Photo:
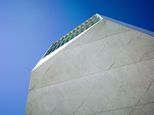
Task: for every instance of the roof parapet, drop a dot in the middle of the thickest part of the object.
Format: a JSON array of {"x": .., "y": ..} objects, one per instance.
[{"x": 75, "y": 32}]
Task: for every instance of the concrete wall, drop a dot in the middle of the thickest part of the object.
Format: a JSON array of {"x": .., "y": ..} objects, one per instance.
[{"x": 108, "y": 70}]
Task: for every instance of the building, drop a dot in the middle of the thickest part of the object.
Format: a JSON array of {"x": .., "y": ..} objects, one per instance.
[{"x": 102, "y": 67}]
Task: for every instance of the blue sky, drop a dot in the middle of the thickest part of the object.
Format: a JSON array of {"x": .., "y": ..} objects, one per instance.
[{"x": 29, "y": 27}]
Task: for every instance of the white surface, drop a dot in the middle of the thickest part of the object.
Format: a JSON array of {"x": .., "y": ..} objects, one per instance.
[{"x": 108, "y": 70}]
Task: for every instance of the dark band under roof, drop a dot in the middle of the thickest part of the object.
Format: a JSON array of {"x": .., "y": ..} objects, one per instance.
[{"x": 64, "y": 39}]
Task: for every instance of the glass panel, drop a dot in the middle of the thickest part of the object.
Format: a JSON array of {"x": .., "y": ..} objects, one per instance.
[{"x": 94, "y": 19}]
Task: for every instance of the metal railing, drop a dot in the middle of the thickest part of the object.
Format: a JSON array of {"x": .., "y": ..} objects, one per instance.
[{"x": 64, "y": 39}]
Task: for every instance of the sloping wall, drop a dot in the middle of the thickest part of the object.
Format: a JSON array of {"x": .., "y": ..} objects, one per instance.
[{"x": 107, "y": 70}]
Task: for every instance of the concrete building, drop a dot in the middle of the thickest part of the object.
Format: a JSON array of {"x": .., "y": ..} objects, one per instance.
[{"x": 101, "y": 67}]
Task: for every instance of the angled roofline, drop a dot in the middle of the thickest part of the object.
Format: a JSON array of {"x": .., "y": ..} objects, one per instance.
[
  {"x": 101, "y": 17},
  {"x": 73, "y": 33},
  {"x": 84, "y": 26},
  {"x": 47, "y": 57}
]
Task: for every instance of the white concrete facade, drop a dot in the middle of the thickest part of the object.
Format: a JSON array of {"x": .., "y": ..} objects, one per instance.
[{"x": 107, "y": 70}]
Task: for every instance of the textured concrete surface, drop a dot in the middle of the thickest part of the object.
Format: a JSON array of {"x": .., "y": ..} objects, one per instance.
[{"x": 108, "y": 70}]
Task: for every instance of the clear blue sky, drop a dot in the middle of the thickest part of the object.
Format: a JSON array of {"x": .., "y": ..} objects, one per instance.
[{"x": 29, "y": 27}]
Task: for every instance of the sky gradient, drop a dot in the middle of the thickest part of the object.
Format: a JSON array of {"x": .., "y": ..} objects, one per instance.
[{"x": 29, "y": 27}]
